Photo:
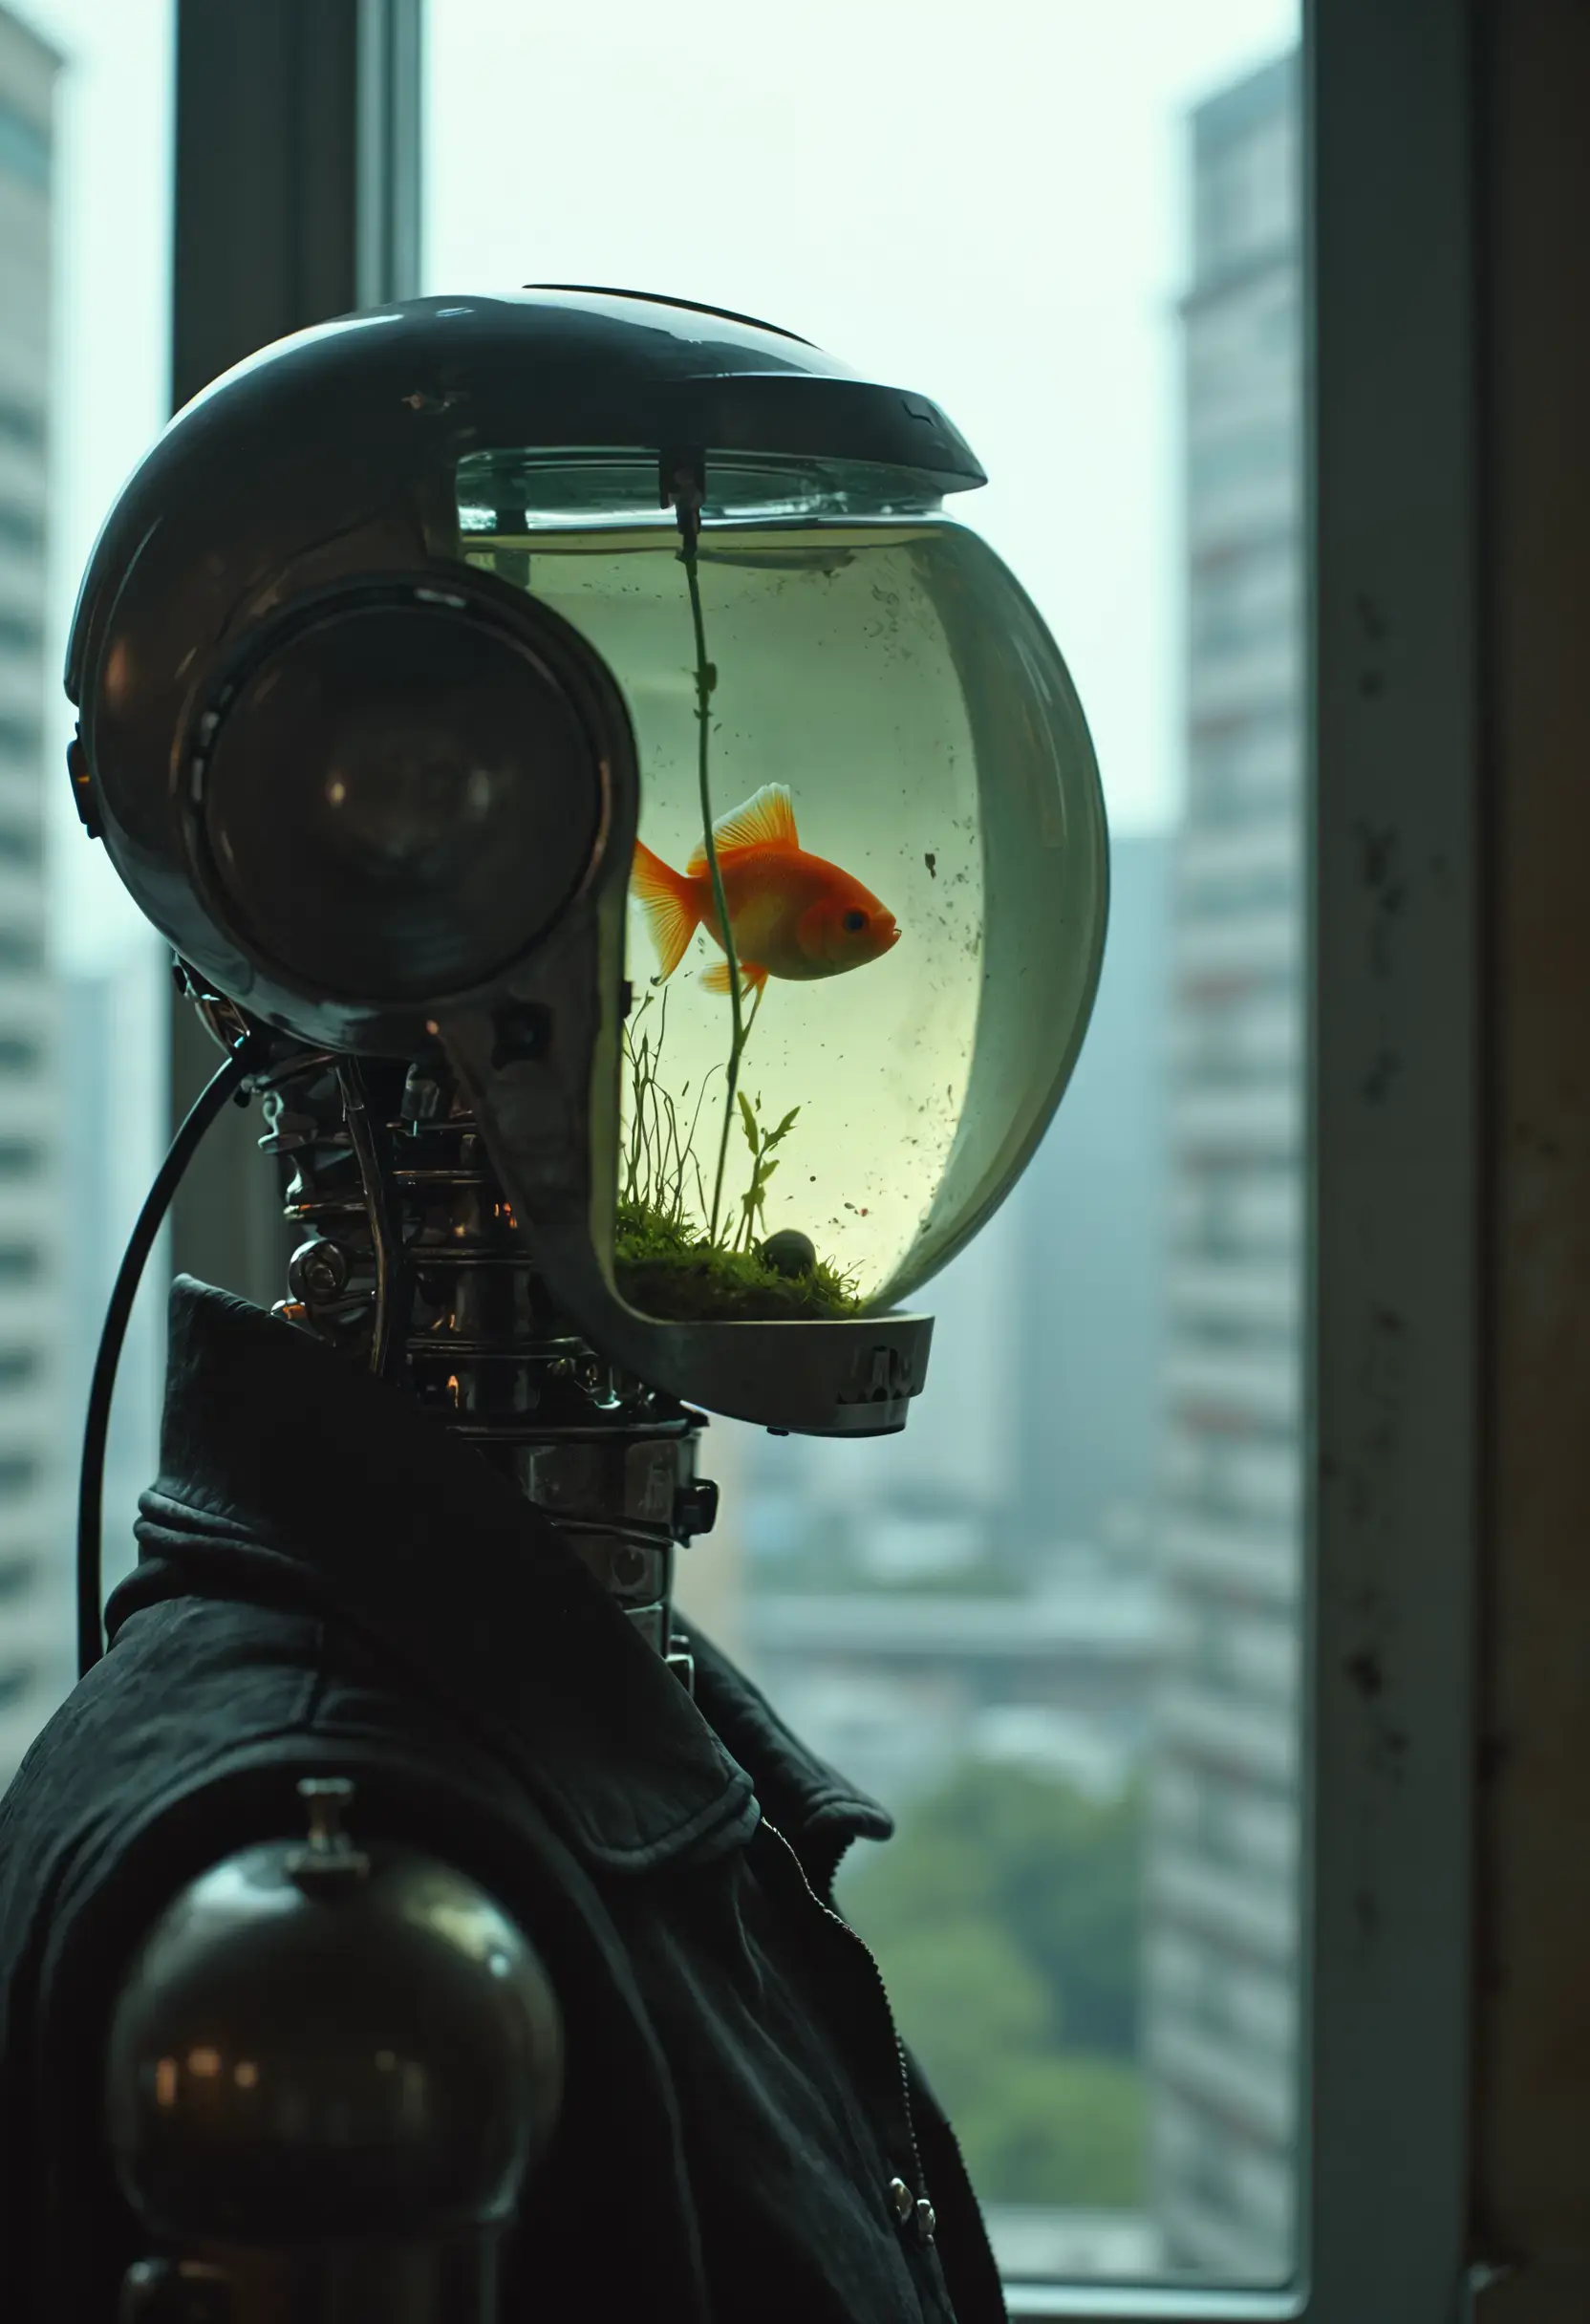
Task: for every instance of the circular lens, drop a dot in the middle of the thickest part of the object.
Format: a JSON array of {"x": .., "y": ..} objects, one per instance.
[{"x": 399, "y": 800}]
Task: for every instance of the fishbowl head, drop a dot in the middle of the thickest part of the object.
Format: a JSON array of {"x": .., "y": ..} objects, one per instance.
[{"x": 593, "y": 685}]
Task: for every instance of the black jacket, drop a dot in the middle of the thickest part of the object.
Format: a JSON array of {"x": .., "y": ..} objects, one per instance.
[{"x": 330, "y": 1583}]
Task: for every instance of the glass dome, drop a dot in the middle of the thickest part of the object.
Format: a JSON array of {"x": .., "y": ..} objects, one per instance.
[{"x": 908, "y": 866}]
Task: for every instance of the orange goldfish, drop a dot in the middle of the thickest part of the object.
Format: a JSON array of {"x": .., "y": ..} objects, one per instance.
[{"x": 790, "y": 913}]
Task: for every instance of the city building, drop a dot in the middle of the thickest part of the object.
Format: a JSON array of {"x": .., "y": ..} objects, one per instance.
[
  {"x": 1036, "y": 1428},
  {"x": 112, "y": 1045},
  {"x": 982, "y": 1585},
  {"x": 1222, "y": 1962},
  {"x": 36, "y": 1573},
  {"x": 1090, "y": 1213},
  {"x": 898, "y": 1686}
]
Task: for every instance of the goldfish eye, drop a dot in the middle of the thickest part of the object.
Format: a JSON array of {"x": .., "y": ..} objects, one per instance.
[{"x": 855, "y": 922}]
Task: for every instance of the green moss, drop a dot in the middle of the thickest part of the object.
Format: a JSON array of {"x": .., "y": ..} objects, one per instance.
[{"x": 665, "y": 1269}]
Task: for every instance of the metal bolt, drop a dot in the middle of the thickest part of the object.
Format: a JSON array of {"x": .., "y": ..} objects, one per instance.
[{"x": 317, "y": 1270}]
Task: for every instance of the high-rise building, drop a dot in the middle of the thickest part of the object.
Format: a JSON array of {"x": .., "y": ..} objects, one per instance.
[
  {"x": 1036, "y": 1428},
  {"x": 36, "y": 1628},
  {"x": 1088, "y": 1220},
  {"x": 980, "y": 1585},
  {"x": 1221, "y": 1969},
  {"x": 112, "y": 1043}
]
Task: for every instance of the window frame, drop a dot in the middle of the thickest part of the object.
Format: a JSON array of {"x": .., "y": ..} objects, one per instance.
[{"x": 1392, "y": 1362}]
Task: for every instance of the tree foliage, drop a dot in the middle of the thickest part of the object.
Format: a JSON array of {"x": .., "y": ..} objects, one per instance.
[{"x": 1005, "y": 1916}]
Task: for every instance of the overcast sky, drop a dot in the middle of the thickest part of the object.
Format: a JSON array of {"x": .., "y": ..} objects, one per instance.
[{"x": 984, "y": 202}]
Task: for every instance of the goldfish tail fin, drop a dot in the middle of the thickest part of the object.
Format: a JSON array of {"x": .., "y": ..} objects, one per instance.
[
  {"x": 668, "y": 903},
  {"x": 764, "y": 820},
  {"x": 752, "y": 976}
]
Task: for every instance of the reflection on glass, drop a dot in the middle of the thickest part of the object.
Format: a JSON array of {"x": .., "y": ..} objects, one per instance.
[
  {"x": 907, "y": 829},
  {"x": 1221, "y": 1960},
  {"x": 84, "y": 227},
  {"x": 1055, "y": 1625},
  {"x": 33, "y": 1664}
]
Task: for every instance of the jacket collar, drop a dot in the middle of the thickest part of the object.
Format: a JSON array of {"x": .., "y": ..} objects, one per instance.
[
  {"x": 816, "y": 1808},
  {"x": 284, "y": 1470}
]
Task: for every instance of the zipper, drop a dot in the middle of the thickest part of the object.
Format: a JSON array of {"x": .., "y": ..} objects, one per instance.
[{"x": 865, "y": 1951}]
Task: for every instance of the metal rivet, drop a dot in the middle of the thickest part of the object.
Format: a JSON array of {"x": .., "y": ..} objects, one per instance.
[
  {"x": 901, "y": 2197},
  {"x": 317, "y": 1270},
  {"x": 927, "y": 2221},
  {"x": 628, "y": 1567}
]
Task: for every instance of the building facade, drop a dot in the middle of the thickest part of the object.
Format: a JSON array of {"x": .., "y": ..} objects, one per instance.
[
  {"x": 1036, "y": 1430},
  {"x": 35, "y": 1620},
  {"x": 982, "y": 1585},
  {"x": 112, "y": 1024},
  {"x": 1089, "y": 1320},
  {"x": 899, "y": 1687},
  {"x": 1222, "y": 1965}
]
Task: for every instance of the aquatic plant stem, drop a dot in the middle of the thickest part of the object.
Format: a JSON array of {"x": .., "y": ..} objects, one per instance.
[{"x": 690, "y": 531}]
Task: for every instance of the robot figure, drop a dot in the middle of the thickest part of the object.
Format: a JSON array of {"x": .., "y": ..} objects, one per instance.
[{"x": 403, "y": 1918}]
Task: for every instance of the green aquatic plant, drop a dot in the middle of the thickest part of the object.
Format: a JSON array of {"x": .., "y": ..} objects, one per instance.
[
  {"x": 659, "y": 1155},
  {"x": 669, "y": 1268},
  {"x": 688, "y": 504},
  {"x": 664, "y": 1262},
  {"x": 762, "y": 1142}
]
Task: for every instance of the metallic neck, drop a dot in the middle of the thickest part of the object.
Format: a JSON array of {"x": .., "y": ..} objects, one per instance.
[{"x": 412, "y": 1265}]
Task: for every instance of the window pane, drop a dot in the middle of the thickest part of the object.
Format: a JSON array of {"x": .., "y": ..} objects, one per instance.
[
  {"x": 1055, "y": 1625},
  {"x": 84, "y": 223}
]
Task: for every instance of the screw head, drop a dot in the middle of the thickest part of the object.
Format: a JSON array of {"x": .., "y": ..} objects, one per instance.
[
  {"x": 317, "y": 1270},
  {"x": 629, "y": 1566}
]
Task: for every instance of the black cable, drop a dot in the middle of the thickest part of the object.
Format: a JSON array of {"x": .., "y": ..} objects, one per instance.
[
  {"x": 90, "y": 1489},
  {"x": 390, "y": 1308}
]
